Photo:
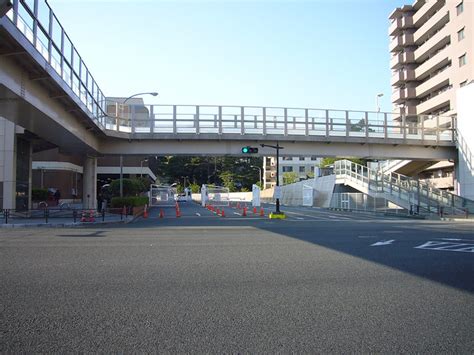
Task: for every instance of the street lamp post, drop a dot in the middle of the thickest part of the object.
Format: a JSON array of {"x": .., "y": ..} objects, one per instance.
[
  {"x": 121, "y": 157},
  {"x": 259, "y": 174},
  {"x": 141, "y": 93},
  {"x": 141, "y": 166},
  {"x": 377, "y": 101},
  {"x": 277, "y": 213}
]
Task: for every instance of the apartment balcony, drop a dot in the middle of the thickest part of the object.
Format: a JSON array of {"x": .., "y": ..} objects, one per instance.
[
  {"x": 439, "y": 60},
  {"x": 396, "y": 44},
  {"x": 436, "y": 82},
  {"x": 435, "y": 102},
  {"x": 438, "y": 41},
  {"x": 428, "y": 8},
  {"x": 395, "y": 26},
  {"x": 400, "y": 112},
  {"x": 401, "y": 76},
  {"x": 402, "y": 58},
  {"x": 403, "y": 94},
  {"x": 436, "y": 22},
  {"x": 440, "y": 183}
]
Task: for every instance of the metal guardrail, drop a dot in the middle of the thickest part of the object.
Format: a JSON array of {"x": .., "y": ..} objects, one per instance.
[
  {"x": 37, "y": 22},
  {"x": 418, "y": 195},
  {"x": 9, "y": 216},
  {"x": 285, "y": 121}
]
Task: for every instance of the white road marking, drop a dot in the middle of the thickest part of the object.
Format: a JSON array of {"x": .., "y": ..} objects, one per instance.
[
  {"x": 300, "y": 218},
  {"x": 198, "y": 214},
  {"x": 447, "y": 246},
  {"x": 383, "y": 242},
  {"x": 238, "y": 214},
  {"x": 392, "y": 232},
  {"x": 457, "y": 239}
]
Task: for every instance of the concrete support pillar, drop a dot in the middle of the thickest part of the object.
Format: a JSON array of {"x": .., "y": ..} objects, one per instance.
[
  {"x": 7, "y": 164},
  {"x": 89, "y": 190}
]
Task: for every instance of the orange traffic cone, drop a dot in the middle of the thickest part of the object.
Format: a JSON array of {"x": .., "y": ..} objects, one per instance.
[
  {"x": 145, "y": 212},
  {"x": 222, "y": 213},
  {"x": 255, "y": 210},
  {"x": 218, "y": 212},
  {"x": 262, "y": 212},
  {"x": 178, "y": 213},
  {"x": 83, "y": 217},
  {"x": 161, "y": 213},
  {"x": 244, "y": 213},
  {"x": 238, "y": 205}
]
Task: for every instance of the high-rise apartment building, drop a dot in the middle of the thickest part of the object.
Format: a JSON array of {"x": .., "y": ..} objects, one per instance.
[{"x": 432, "y": 47}]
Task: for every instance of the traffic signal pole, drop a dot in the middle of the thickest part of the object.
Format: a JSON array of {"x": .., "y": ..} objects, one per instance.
[{"x": 277, "y": 214}]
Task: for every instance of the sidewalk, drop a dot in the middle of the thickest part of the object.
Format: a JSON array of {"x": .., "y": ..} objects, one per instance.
[{"x": 26, "y": 222}]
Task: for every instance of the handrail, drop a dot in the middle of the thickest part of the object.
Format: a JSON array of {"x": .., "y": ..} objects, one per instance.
[
  {"x": 220, "y": 119},
  {"x": 37, "y": 22},
  {"x": 408, "y": 189}
]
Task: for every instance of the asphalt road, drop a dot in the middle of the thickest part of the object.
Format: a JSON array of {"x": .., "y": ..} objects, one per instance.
[{"x": 321, "y": 281}]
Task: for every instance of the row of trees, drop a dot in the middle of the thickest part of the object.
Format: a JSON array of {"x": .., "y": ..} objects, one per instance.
[{"x": 235, "y": 173}]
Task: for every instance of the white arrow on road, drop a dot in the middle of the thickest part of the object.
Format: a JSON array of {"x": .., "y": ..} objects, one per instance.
[{"x": 386, "y": 242}]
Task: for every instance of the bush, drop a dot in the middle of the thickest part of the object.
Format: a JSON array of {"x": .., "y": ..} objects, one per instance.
[
  {"x": 132, "y": 201},
  {"x": 131, "y": 187},
  {"x": 39, "y": 194}
]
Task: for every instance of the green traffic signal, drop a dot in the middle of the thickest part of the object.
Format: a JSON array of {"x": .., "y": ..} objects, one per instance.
[{"x": 249, "y": 150}]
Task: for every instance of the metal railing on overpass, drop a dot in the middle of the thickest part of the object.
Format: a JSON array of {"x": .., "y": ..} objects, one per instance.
[
  {"x": 404, "y": 191},
  {"x": 37, "y": 22},
  {"x": 39, "y": 25},
  {"x": 173, "y": 120}
]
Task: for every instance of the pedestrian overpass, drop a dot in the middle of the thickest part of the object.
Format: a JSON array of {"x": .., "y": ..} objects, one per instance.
[{"x": 47, "y": 89}]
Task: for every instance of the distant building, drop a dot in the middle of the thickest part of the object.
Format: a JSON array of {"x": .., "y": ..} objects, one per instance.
[{"x": 304, "y": 167}]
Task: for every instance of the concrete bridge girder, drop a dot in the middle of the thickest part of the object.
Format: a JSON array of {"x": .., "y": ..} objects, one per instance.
[{"x": 291, "y": 148}]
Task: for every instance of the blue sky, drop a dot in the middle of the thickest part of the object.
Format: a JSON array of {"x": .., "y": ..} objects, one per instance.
[{"x": 321, "y": 54}]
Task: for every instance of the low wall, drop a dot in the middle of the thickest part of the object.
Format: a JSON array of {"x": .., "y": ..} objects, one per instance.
[{"x": 292, "y": 194}]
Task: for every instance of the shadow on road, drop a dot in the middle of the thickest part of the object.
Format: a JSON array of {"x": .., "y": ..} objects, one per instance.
[{"x": 352, "y": 236}]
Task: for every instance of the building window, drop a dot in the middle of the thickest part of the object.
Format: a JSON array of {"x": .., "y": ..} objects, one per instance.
[
  {"x": 462, "y": 60},
  {"x": 464, "y": 83},
  {"x": 302, "y": 169},
  {"x": 287, "y": 169},
  {"x": 460, "y": 8},
  {"x": 287, "y": 158},
  {"x": 314, "y": 157},
  {"x": 301, "y": 158},
  {"x": 461, "y": 34}
]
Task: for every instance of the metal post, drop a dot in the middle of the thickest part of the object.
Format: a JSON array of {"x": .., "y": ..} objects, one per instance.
[
  {"x": 121, "y": 176},
  {"x": 277, "y": 202}
]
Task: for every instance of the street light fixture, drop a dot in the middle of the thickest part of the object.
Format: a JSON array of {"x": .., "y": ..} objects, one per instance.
[
  {"x": 141, "y": 166},
  {"x": 377, "y": 101},
  {"x": 121, "y": 157},
  {"x": 141, "y": 93},
  {"x": 259, "y": 174}
]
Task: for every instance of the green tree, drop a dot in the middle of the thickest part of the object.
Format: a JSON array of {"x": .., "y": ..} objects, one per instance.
[
  {"x": 290, "y": 177},
  {"x": 131, "y": 187}
]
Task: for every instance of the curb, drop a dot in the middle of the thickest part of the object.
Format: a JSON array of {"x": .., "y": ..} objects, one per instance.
[{"x": 60, "y": 225}]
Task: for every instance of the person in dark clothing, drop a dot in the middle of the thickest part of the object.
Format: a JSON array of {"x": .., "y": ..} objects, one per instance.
[{"x": 57, "y": 196}]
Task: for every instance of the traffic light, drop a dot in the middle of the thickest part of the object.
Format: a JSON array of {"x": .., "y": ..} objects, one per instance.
[{"x": 249, "y": 150}]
